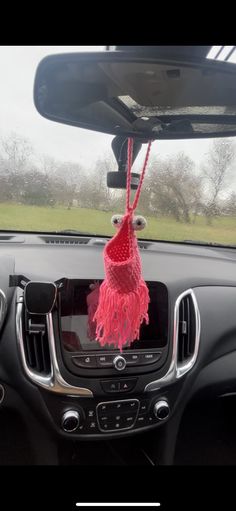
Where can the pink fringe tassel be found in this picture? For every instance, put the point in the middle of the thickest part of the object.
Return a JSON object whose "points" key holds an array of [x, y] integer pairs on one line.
{"points": [[119, 315]]}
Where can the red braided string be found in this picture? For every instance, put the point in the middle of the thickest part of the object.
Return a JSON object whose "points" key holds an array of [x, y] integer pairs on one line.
{"points": [[128, 182], [138, 191], [128, 179]]}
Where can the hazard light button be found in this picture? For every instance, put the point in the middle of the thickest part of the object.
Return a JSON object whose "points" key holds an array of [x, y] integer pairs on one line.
{"points": [[121, 385], [127, 385]]}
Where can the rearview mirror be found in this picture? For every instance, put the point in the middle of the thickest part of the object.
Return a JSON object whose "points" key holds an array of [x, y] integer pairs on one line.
{"points": [[145, 96]]}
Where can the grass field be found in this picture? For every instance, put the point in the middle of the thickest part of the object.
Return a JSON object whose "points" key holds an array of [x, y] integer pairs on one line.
{"points": [[35, 218]]}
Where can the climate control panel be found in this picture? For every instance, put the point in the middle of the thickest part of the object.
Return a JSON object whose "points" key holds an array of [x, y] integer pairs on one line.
{"points": [[117, 415], [114, 416]]}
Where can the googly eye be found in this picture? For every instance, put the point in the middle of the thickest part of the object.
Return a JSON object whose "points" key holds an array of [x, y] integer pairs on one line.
{"points": [[116, 220], [139, 223]]}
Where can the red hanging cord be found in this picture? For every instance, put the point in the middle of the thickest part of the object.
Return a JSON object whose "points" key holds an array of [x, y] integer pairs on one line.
{"points": [[129, 167], [128, 181]]}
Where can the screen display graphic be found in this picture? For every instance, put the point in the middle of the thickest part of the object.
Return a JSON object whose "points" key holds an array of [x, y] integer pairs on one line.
{"points": [[79, 298]]}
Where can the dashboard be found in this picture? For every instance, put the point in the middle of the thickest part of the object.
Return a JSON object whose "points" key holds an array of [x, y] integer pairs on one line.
{"points": [[82, 391]]}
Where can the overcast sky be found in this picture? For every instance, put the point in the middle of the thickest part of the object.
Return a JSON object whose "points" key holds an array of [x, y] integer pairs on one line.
{"points": [[18, 113]]}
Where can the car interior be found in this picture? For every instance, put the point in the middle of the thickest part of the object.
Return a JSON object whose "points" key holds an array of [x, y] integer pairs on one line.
{"points": [[167, 398]]}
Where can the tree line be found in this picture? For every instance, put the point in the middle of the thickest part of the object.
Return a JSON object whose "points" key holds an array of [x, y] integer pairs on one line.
{"points": [[173, 186]]}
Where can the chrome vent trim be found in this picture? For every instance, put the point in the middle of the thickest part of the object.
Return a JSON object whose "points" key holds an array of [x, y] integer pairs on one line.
{"points": [[187, 364], [54, 382], [177, 370], [3, 307]]}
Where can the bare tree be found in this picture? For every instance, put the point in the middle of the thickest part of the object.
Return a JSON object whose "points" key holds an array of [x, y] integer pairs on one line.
{"points": [[229, 205], [47, 165], [175, 188], [220, 159], [17, 151], [93, 191]]}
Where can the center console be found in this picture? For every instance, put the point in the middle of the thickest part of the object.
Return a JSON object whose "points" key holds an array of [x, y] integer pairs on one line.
{"points": [[92, 391]]}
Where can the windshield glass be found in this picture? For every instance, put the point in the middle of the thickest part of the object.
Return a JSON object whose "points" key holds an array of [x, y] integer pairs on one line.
{"points": [[53, 176]]}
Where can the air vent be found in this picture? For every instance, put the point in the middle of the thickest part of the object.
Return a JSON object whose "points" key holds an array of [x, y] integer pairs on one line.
{"points": [[187, 329], [65, 240], [173, 73], [97, 241], [36, 345], [35, 336], [144, 245]]}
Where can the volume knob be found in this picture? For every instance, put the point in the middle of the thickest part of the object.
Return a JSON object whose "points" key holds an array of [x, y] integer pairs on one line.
{"points": [[161, 409], [119, 363], [70, 421]]}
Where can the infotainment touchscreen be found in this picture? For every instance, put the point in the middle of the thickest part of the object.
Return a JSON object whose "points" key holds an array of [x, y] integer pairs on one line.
{"points": [[78, 332]]}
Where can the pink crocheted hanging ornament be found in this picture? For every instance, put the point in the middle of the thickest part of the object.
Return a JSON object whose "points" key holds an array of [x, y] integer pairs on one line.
{"points": [[123, 297], [92, 304]]}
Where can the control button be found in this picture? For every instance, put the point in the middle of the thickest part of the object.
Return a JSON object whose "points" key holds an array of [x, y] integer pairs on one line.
{"points": [[111, 385], [70, 421], [103, 418], [150, 358], [141, 421], [161, 410], [85, 361], [119, 363], [118, 424], [112, 426], [130, 406], [103, 408], [129, 419], [91, 414], [127, 385], [114, 411], [133, 358], [92, 425], [143, 407], [116, 407], [107, 409], [104, 360]]}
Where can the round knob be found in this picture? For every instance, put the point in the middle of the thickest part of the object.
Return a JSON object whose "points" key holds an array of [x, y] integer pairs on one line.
{"points": [[70, 421], [161, 410], [119, 363]]}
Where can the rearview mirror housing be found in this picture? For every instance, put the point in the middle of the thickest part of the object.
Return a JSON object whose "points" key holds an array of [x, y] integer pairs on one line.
{"points": [[156, 95]]}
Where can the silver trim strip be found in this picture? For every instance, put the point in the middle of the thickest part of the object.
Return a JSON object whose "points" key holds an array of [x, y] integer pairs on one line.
{"points": [[176, 370], [3, 394], [3, 307], [53, 382]]}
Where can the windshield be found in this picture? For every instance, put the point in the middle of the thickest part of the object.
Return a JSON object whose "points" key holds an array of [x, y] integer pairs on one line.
{"points": [[53, 176]]}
